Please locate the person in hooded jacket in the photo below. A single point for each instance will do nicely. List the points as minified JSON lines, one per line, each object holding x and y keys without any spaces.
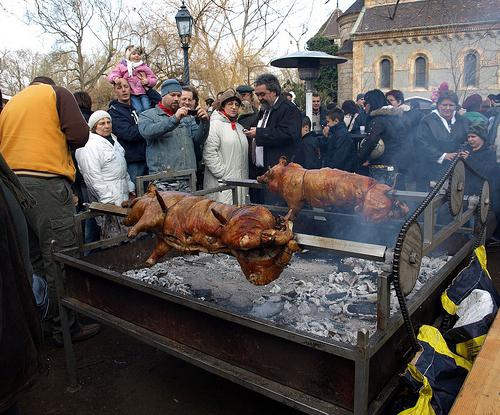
{"x":311,"y":146}
{"x":383,"y":125}
{"x":439,"y":138}
{"x":481,"y":157}
{"x":339,"y":148}
{"x":225,"y":153}
{"x":411,"y":116}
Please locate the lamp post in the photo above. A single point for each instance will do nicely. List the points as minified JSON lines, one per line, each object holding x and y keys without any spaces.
{"x":308,"y":63}
{"x":184,"y":23}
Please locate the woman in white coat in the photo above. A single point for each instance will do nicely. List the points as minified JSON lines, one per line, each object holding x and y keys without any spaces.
{"x":225,"y":153}
{"x":104,"y":169}
{"x":102,"y":163}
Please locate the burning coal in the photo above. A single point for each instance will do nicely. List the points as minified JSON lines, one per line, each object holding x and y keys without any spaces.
{"x":321,"y":296}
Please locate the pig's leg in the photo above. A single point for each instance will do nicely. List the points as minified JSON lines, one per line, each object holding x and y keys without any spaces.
{"x":142,"y":226}
{"x":161,"y":249}
{"x":149,"y":221}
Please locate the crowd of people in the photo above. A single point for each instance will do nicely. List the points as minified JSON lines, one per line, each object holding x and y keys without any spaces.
{"x":70,"y":155}
{"x":56,"y":154}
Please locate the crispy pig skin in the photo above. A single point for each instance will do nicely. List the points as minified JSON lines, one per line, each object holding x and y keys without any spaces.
{"x":262,"y":245}
{"x":332,"y":187}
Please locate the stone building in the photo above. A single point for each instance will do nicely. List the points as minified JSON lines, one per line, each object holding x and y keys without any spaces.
{"x":418,"y":44}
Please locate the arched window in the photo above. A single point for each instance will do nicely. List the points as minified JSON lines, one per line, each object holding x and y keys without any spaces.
{"x":385,"y":73}
{"x":470,"y":69}
{"x":420,"y":72}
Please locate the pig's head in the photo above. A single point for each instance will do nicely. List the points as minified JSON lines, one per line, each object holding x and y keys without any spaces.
{"x":380,"y":204}
{"x":145,"y":213}
{"x":273,"y":177}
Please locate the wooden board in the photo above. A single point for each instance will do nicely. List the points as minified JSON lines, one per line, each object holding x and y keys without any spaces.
{"x":480,"y":393}
{"x":108,"y":208}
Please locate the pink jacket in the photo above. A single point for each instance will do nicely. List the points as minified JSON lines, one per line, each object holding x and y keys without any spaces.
{"x":136,"y":87}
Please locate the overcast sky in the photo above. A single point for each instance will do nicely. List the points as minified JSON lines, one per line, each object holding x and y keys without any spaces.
{"x":14,"y":34}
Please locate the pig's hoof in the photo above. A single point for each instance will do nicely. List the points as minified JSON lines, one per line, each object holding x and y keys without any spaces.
{"x":150,"y":262}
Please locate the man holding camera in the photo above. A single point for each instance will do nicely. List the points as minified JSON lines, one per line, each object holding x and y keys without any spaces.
{"x":173,"y":132}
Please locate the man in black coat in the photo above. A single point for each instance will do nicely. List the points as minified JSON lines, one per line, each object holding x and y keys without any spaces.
{"x":124,"y":119}
{"x":278,"y":128}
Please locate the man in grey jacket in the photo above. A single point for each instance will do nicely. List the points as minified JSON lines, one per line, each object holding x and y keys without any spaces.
{"x":172,"y":134}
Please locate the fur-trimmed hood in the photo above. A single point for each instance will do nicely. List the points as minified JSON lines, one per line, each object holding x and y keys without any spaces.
{"x":387,"y":110}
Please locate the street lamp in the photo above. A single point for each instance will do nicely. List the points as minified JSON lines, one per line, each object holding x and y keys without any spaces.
{"x":308,"y":63}
{"x":184,"y":23}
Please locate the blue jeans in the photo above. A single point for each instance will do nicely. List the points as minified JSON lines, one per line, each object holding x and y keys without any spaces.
{"x":92,"y":231}
{"x":140,"y":102}
{"x":137,"y":168}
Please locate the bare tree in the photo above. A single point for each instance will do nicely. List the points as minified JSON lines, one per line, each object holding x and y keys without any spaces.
{"x":458,"y":42}
{"x":77,"y":24}
{"x":230,"y":39}
{"x":17,"y":69}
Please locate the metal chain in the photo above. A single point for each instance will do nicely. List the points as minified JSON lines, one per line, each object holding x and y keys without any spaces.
{"x":401,"y":237}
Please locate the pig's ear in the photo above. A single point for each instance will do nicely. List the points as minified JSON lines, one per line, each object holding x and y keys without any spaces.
{"x":218,"y":216}
{"x":161,"y":201}
{"x":151,"y":188}
{"x":283,"y":161}
{"x":129,"y":203}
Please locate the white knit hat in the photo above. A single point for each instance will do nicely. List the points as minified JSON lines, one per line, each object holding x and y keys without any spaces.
{"x":96,"y":116}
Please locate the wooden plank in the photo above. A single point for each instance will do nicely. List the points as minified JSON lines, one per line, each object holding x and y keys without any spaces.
{"x":343,"y":247}
{"x":108,"y":208}
{"x":480,"y":393}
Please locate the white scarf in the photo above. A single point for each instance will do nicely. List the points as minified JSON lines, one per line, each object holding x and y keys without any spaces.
{"x":131,"y":66}
{"x":445,"y":123}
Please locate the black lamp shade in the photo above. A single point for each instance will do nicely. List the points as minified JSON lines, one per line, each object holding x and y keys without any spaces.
{"x":184,"y":23}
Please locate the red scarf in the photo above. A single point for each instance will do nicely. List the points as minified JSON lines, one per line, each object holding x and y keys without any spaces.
{"x":232,"y":120}
{"x":166,"y":110}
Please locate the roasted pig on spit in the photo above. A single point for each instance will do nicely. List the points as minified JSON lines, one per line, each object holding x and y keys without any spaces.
{"x":332,"y":187}
{"x":262,"y":244}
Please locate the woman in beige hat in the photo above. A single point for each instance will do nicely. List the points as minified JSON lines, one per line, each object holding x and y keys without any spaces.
{"x":225,"y":153}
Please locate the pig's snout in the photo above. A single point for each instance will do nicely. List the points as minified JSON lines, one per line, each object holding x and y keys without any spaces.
{"x":262,"y":179}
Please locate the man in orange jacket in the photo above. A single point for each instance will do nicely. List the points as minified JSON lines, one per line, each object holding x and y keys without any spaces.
{"x":38,"y":127}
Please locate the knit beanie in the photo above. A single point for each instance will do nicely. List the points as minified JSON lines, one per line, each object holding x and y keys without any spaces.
{"x":480,"y":130}
{"x":170,"y":85}
{"x":96,"y":116}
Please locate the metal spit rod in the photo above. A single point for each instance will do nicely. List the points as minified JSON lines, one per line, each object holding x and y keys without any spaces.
{"x":343,"y":247}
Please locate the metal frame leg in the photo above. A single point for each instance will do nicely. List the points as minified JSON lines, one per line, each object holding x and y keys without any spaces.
{"x":361,"y":375}
{"x":69,"y":352}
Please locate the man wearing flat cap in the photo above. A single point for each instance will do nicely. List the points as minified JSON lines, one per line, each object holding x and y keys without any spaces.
{"x":248,"y":112}
{"x":169,"y":131}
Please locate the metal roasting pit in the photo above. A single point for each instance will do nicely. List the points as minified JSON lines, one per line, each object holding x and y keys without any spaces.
{"x":326,"y":337}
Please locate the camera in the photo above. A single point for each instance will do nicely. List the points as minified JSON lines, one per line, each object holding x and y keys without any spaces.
{"x":194,"y":113}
